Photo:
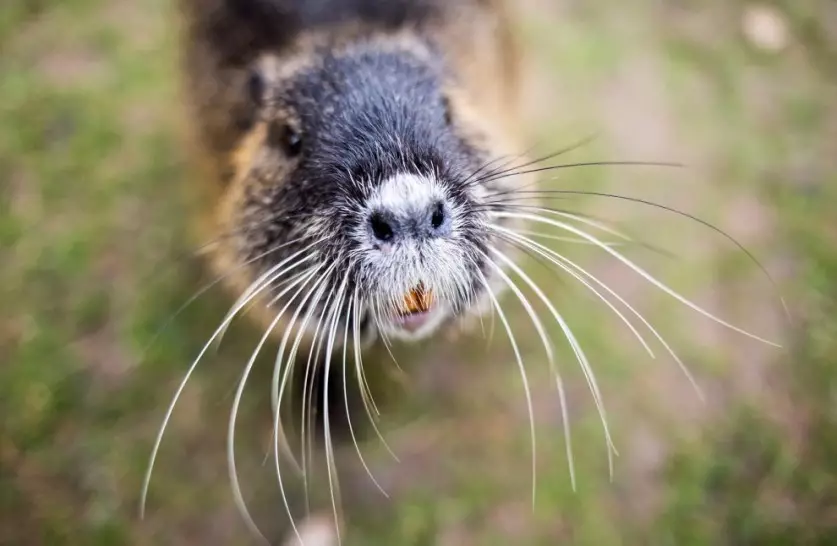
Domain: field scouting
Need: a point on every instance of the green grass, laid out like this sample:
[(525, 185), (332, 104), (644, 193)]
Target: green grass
[(94, 259)]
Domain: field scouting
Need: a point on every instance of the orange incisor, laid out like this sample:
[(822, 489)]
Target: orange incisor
[(418, 300)]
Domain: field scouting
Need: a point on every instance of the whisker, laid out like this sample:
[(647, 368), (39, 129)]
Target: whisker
[(353, 304), (587, 219), (553, 257), (581, 357), (576, 165), (384, 336), (239, 498), (367, 393), (238, 306), (292, 359), (275, 284), (330, 460), (365, 390), (203, 290), (636, 268), (505, 159), (169, 263), (278, 390), (265, 280), (276, 372), (567, 263), (523, 377), (552, 155), (547, 344), (584, 220), (551, 237), (553, 194), (308, 385), (570, 240)]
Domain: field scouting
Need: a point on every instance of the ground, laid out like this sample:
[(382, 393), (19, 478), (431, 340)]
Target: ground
[(94, 261)]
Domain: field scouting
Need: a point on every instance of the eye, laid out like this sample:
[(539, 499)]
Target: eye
[(255, 87), (438, 217), (286, 138), (447, 110)]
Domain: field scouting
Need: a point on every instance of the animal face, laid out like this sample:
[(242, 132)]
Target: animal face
[(360, 196)]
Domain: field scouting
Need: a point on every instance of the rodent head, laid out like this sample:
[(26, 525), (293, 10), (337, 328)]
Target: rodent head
[(360, 174)]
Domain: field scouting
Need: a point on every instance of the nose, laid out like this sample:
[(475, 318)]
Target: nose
[(389, 226)]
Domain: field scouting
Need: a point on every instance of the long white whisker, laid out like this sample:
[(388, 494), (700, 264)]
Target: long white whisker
[(276, 390), (367, 394), (355, 315), (365, 390), (237, 307), (589, 375), (384, 336), (523, 377), (276, 378), (571, 240), (547, 344), (506, 206), (579, 353), (277, 423), (557, 259), (492, 326), (209, 286), (533, 316), (292, 358), (267, 279), (308, 386), (330, 461), (239, 498), (583, 220), (567, 264), (647, 276), (553, 195)]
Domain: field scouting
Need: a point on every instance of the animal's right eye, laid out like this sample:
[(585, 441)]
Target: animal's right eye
[(255, 87), (447, 110)]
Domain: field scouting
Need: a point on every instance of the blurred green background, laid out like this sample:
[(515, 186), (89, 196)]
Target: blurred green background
[(94, 260)]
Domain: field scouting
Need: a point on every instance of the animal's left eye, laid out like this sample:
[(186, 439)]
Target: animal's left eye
[(286, 138)]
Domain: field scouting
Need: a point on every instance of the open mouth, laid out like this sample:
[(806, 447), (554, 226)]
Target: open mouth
[(417, 308)]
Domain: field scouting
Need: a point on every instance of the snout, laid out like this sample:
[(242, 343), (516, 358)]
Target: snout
[(408, 208), (412, 252)]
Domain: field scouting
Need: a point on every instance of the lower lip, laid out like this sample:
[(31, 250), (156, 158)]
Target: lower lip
[(414, 321)]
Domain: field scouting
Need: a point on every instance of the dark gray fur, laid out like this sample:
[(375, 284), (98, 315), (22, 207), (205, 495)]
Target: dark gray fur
[(225, 36), (364, 117)]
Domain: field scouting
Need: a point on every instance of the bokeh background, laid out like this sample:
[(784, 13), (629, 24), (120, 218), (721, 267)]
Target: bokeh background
[(94, 259)]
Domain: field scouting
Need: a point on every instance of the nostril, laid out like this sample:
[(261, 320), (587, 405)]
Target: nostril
[(380, 227), (438, 217)]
